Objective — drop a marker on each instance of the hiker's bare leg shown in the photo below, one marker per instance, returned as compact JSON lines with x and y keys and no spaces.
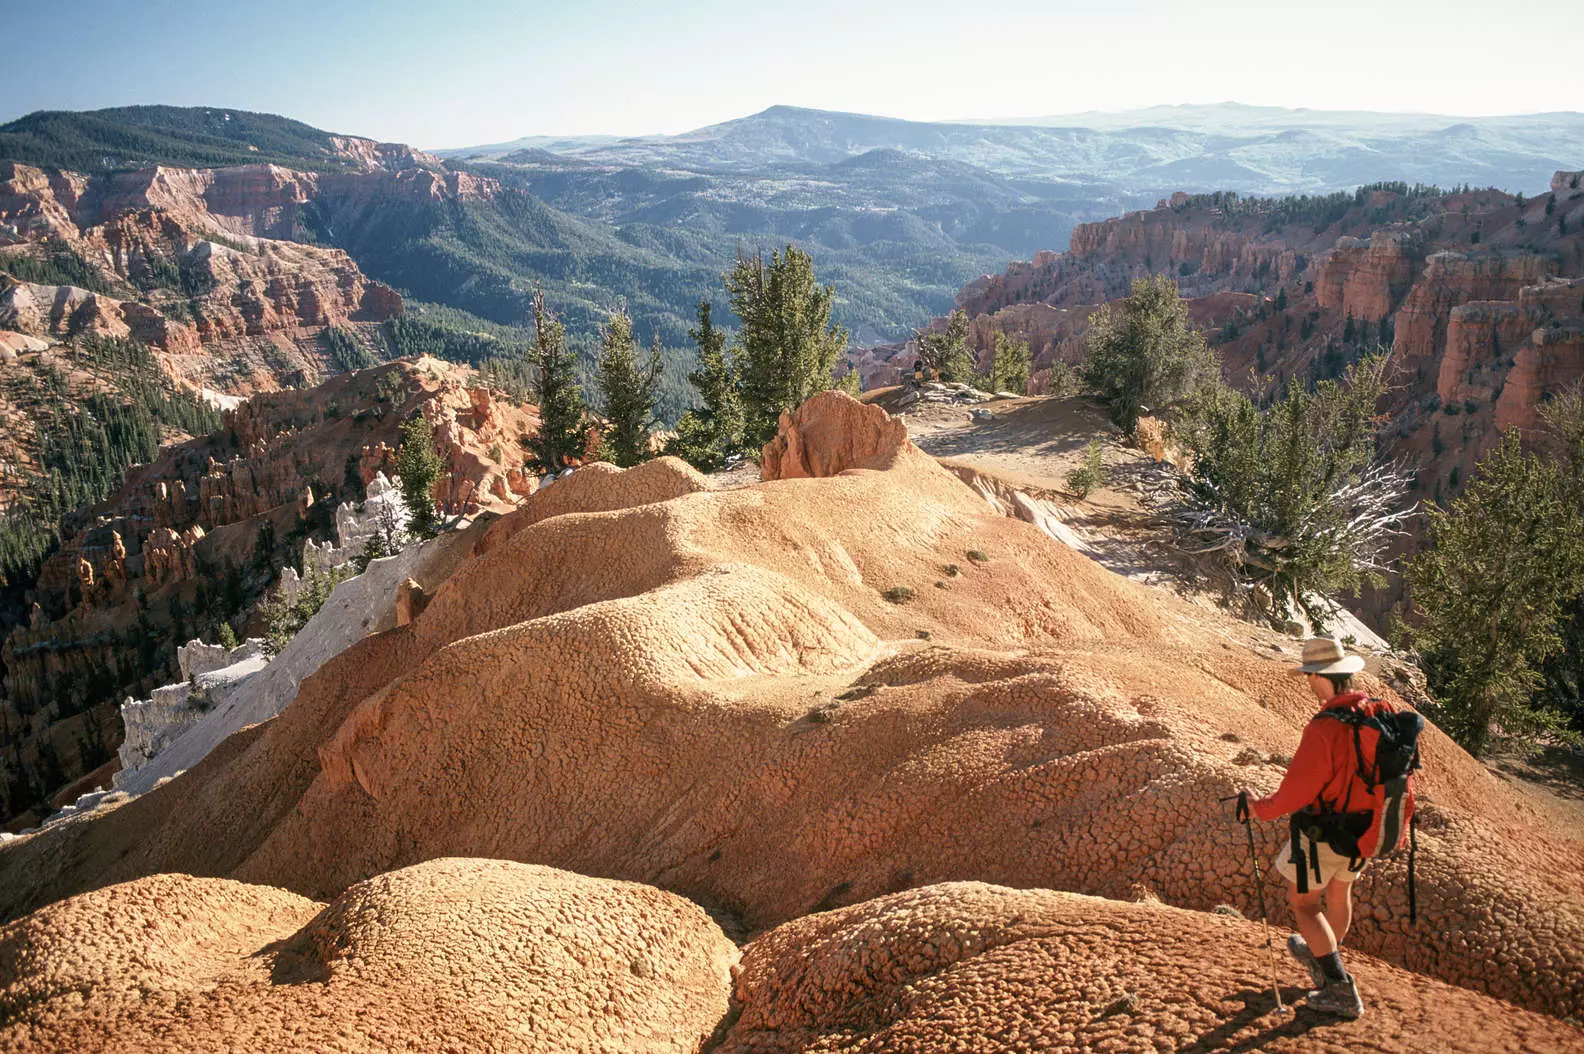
{"x":1311,"y":920}
{"x":1339,"y":908}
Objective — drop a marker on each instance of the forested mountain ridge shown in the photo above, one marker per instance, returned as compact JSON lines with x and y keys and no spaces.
{"x":131,"y":137}
{"x":899,"y":213}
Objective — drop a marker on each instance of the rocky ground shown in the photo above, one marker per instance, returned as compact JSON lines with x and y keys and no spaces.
{"x":1018,"y":453}
{"x":865,"y":721}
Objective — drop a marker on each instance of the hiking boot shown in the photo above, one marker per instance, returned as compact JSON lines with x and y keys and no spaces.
{"x":1338,"y":997}
{"x":1298,"y":949}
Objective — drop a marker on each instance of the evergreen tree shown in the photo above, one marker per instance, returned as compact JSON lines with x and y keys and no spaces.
{"x":707,"y":435}
{"x":1493,"y":590}
{"x":1312,"y":507}
{"x":563,"y":426}
{"x":948,"y":354}
{"x":787,"y":346}
{"x":1146,"y":356}
{"x":627,"y":391}
{"x":419,"y":465}
{"x":1009,"y":366}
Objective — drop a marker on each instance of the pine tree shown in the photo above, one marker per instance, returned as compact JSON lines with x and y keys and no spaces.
{"x":1492,"y":590}
{"x":1009,"y":366}
{"x":563,"y":427}
{"x":627,"y":391}
{"x":787,"y":346}
{"x":707,"y":435}
{"x":947,"y":354}
{"x":419,"y":466}
{"x":1303,"y":479}
{"x":1146,"y":356}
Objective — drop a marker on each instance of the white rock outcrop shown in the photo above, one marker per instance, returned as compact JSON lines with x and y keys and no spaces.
{"x":382,"y":511}
{"x":212,"y":674}
{"x":359,"y":606}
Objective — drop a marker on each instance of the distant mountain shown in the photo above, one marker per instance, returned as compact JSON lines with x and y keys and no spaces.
{"x":897,"y":232}
{"x":1263,"y":150}
{"x":898,"y":214}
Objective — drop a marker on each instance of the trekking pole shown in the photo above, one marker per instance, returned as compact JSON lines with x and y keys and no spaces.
{"x":1259,"y":893}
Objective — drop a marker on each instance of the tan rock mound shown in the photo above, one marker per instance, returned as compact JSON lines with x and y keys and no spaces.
{"x":727,"y":694}
{"x":602,"y":487}
{"x":1003,"y":970}
{"x":831,"y":433}
{"x":451,"y":954}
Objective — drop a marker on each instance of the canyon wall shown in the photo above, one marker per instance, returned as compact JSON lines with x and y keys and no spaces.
{"x":209,"y":524}
{"x":1479,"y":295}
{"x":211,"y":267}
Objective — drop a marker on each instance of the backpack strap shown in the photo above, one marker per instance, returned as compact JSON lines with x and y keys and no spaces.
{"x":1356,"y":721}
{"x":1299,"y":859}
{"x":1413,"y":851}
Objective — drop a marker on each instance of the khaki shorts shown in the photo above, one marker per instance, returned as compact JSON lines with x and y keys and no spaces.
{"x":1332,"y":866}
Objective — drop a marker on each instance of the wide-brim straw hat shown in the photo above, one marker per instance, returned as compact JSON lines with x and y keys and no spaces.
{"x":1326,"y":655}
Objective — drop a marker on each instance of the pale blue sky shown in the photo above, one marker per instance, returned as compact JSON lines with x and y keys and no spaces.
{"x":439,"y":74}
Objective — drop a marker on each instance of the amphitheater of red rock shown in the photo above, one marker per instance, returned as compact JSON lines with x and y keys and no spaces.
{"x":641,"y":676}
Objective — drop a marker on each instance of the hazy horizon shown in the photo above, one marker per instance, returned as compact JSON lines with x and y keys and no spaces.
{"x":493,"y":71}
{"x":1031,"y":120}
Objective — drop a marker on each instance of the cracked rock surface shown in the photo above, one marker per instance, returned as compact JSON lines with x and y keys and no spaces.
{"x":451,"y":954}
{"x":1035,"y":970}
{"x":727,"y":694}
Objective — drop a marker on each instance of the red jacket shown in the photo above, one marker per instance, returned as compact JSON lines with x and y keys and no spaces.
{"x":1325,"y":768}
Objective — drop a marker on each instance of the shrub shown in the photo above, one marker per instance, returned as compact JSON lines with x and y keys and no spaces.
{"x":1009,"y":366}
{"x":947,"y":354}
{"x":1064,"y":380}
{"x":1092,"y":473}
{"x":899,"y":594}
{"x":627,"y":390}
{"x":418,"y":464}
{"x":284,"y":617}
{"x":787,"y":345}
{"x":1495,"y":591}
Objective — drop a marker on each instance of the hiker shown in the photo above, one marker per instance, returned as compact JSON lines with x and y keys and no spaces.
{"x":918,"y":372}
{"x":1333,"y":810}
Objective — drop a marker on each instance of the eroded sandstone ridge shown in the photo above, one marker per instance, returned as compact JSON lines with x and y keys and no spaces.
{"x":1036,"y":970}
{"x":760,"y":698}
{"x":204,"y":265}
